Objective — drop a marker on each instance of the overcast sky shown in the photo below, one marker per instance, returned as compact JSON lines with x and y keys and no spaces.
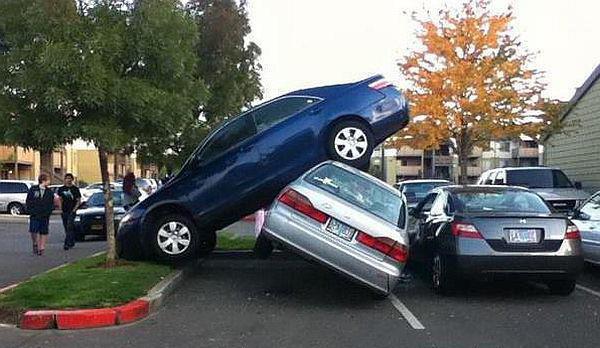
{"x":313,"y":42}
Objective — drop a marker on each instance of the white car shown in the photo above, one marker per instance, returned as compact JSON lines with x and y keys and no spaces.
{"x":89,"y":190}
{"x":13,"y":194}
{"x":587,"y":219}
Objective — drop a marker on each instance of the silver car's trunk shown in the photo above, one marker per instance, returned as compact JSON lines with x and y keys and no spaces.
{"x":495,"y":229}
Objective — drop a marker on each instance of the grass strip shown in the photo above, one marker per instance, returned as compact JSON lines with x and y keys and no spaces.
{"x":85,"y":284}
{"x":229,"y":241}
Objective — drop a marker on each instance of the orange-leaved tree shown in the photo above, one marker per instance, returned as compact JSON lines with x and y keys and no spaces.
{"x":469,"y":81}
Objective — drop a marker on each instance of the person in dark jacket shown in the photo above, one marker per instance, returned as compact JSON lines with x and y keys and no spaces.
{"x":40,"y":203}
{"x":70,"y":198}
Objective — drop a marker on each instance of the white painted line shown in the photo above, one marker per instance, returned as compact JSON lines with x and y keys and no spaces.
{"x":406,"y":313}
{"x":588,"y":290}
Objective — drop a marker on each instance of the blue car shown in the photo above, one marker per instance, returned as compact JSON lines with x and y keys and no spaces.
{"x":242,"y":165}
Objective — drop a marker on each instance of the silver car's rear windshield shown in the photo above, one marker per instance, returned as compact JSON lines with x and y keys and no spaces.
{"x":499,"y":201}
{"x":358,"y":191}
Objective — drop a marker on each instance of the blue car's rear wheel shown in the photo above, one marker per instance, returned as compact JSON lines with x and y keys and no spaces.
{"x":351,"y":142}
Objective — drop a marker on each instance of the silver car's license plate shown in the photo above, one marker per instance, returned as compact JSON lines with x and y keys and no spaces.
{"x":523,"y":235}
{"x":340,"y":229}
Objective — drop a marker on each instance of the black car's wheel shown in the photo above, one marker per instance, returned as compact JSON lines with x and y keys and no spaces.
{"x":563,"y":287}
{"x":351,"y":142}
{"x":173,"y":238}
{"x":16,"y":209}
{"x":263,"y":247}
{"x":443,"y":279}
{"x":207,"y":243}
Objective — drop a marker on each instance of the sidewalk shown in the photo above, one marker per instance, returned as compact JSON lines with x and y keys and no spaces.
{"x":16,"y":260}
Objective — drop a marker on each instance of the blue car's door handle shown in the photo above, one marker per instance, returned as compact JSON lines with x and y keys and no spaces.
{"x":315,"y":110}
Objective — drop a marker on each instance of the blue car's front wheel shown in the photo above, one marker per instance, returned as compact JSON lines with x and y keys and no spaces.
{"x":174,"y":238}
{"x":351,"y":142}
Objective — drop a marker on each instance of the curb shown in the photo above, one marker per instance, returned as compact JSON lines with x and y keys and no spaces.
{"x":101,"y":317}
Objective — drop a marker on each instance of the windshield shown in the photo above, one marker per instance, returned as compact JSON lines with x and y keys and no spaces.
{"x":415,"y":192}
{"x":500,"y":201}
{"x":97,"y":199}
{"x":358,"y":191}
{"x":538,"y":178}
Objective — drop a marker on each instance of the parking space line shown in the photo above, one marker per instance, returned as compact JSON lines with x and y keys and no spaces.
{"x":406,"y":313}
{"x":588,"y":290}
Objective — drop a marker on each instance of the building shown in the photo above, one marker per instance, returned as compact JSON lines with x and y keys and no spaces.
{"x":407,"y":163}
{"x":576,"y":150}
{"x":80,"y":160}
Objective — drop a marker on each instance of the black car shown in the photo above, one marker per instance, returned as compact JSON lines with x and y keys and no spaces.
{"x":489,"y":231}
{"x":89,"y":218}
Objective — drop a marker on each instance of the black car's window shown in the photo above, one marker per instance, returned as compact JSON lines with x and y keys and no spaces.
{"x":414,"y":192}
{"x":233,"y":133}
{"x":592,"y":208}
{"x":500,"y":201}
{"x":425,"y":205}
{"x":358,"y":191}
{"x":97,"y":199}
{"x":278,"y":110}
{"x":538,"y":178}
{"x":13,"y":187}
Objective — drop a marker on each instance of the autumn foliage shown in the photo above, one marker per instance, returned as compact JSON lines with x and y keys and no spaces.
{"x":470,"y":82}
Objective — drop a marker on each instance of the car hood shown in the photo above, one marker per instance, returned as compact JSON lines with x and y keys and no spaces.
{"x":98,"y":210}
{"x":550,"y":194}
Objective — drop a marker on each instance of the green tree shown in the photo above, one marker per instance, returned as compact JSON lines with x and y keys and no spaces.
{"x":33,"y":112}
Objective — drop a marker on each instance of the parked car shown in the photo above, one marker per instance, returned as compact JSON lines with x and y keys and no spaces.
{"x":587,"y":219}
{"x":89,"y":218}
{"x":242,"y":165}
{"x":415,"y":190}
{"x":145,"y":185}
{"x":345,"y":219}
{"x":550,"y":183}
{"x":490,"y":231}
{"x":13,"y":194}
{"x":89,"y":190}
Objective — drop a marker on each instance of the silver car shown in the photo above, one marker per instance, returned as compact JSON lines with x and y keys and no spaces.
{"x":587,"y":219}
{"x":13,"y":194}
{"x":345,"y":219}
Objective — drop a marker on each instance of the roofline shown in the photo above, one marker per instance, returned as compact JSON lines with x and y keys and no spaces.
{"x":579,"y":93}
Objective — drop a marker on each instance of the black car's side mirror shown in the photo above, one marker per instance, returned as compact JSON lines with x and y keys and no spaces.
{"x":578,"y":185}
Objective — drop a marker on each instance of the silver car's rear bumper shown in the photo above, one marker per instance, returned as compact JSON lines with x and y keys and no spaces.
{"x":314,"y":243}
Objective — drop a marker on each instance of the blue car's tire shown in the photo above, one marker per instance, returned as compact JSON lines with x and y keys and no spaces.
{"x":351,"y":142}
{"x":173,"y":238}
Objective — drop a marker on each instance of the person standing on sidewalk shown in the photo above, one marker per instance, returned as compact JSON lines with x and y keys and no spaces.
{"x":40,"y":203}
{"x":70,"y":199}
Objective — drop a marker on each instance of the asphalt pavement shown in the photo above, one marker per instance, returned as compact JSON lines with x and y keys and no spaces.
{"x":288,"y":302}
{"x":16,"y":260}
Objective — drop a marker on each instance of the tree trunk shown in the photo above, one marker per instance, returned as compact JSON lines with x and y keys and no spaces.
{"x":111,"y":254}
{"x":116,"y":167}
{"x":46,"y":164}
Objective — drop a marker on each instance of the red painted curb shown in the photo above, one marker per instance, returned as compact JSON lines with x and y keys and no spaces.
{"x":132,"y":311}
{"x":85,"y":318}
{"x":37,"y":320}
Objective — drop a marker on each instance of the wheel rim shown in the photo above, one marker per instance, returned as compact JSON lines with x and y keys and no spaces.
{"x":436,"y":271}
{"x":351,"y":143}
{"x":15,"y":210}
{"x":173,"y":238}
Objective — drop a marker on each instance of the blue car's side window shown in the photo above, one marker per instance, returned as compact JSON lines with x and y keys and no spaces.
{"x":278,"y":110}
{"x":232,"y":134}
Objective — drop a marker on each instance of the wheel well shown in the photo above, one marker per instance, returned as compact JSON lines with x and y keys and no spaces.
{"x":166,"y":209}
{"x":348,"y":118}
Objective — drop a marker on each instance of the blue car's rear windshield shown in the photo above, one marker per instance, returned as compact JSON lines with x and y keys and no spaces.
{"x":499,"y":201}
{"x":358,"y":191}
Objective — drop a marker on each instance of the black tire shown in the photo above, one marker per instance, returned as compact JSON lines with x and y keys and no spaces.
{"x":338,"y":152}
{"x":443,"y":280}
{"x":16,"y":207}
{"x":562,"y":287}
{"x":207,"y":244}
{"x":263,"y":247}
{"x":171,"y":226}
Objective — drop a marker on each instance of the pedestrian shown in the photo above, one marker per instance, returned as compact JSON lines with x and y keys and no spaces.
{"x":131,"y":193}
{"x":70,"y":198}
{"x":40,"y":203}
